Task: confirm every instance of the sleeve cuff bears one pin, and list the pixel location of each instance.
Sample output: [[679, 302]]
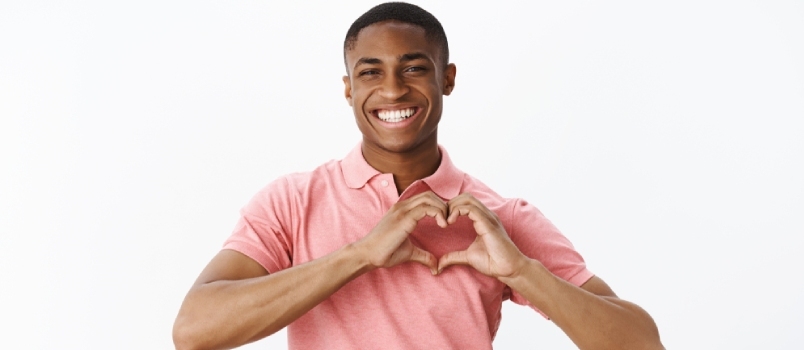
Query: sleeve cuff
[[254, 253]]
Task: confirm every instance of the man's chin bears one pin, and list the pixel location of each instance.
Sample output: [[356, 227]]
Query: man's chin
[[396, 146]]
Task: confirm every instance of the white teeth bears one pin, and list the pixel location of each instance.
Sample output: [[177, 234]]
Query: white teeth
[[395, 116]]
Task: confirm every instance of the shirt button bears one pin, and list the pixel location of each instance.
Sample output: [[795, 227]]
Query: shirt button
[[384, 183]]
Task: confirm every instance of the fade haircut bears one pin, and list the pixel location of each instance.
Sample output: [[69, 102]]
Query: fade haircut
[[402, 12]]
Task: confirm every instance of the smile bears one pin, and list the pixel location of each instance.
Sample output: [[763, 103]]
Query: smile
[[395, 116]]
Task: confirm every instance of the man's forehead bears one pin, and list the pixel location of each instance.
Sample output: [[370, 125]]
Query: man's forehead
[[391, 26], [391, 39]]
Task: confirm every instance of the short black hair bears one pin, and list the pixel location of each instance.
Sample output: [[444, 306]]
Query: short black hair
[[402, 12]]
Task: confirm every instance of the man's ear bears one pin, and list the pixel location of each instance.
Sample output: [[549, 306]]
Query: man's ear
[[347, 89], [449, 79]]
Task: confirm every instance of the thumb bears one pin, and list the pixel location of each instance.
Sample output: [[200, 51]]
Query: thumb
[[425, 258], [452, 258]]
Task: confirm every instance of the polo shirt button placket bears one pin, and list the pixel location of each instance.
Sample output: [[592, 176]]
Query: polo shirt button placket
[[388, 198], [389, 191]]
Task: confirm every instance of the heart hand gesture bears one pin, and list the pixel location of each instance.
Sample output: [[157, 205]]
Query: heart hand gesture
[[388, 244], [492, 253]]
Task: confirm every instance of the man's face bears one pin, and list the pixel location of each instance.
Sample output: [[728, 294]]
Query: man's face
[[396, 83]]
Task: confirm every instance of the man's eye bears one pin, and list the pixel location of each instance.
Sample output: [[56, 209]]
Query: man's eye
[[369, 72], [415, 69]]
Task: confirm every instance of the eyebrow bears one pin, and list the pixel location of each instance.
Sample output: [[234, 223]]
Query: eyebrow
[[367, 60], [403, 58], [413, 56]]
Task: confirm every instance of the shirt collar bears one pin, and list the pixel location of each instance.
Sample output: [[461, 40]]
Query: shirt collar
[[445, 182], [356, 171]]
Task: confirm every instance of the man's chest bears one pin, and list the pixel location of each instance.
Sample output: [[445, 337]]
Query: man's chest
[[460, 293]]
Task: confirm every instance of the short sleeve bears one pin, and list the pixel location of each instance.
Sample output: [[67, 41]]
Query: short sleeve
[[264, 230], [539, 239]]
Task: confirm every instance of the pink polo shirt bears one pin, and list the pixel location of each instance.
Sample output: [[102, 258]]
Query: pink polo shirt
[[304, 216]]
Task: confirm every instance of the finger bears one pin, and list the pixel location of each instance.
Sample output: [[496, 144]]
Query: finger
[[426, 197], [467, 199], [483, 221], [456, 210], [462, 198], [424, 209], [454, 204], [452, 258], [425, 258]]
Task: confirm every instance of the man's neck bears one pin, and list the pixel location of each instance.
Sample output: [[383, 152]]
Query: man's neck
[[407, 167]]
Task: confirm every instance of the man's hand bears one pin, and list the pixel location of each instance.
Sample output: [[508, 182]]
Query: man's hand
[[592, 315], [492, 253], [388, 245]]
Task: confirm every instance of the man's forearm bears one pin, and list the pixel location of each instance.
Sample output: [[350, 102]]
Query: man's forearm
[[590, 321], [227, 314]]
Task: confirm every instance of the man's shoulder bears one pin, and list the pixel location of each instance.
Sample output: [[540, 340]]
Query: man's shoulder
[[485, 194], [292, 189]]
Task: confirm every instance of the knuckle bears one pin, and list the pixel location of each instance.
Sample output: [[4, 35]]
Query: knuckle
[[397, 215]]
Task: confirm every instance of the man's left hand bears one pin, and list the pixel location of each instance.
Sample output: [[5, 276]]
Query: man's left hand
[[492, 253]]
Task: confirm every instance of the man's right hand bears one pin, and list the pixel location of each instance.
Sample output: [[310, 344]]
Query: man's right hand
[[235, 301], [388, 244]]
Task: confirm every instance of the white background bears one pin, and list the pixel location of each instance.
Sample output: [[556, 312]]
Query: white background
[[664, 139]]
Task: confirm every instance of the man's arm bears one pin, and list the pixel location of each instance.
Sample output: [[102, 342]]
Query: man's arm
[[592, 316], [235, 301]]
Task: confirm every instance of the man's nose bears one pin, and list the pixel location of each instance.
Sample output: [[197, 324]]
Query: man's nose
[[393, 87]]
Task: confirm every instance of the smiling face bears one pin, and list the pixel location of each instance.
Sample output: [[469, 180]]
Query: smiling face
[[396, 84]]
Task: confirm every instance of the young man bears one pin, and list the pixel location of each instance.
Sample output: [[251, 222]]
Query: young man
[[393, 247]]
